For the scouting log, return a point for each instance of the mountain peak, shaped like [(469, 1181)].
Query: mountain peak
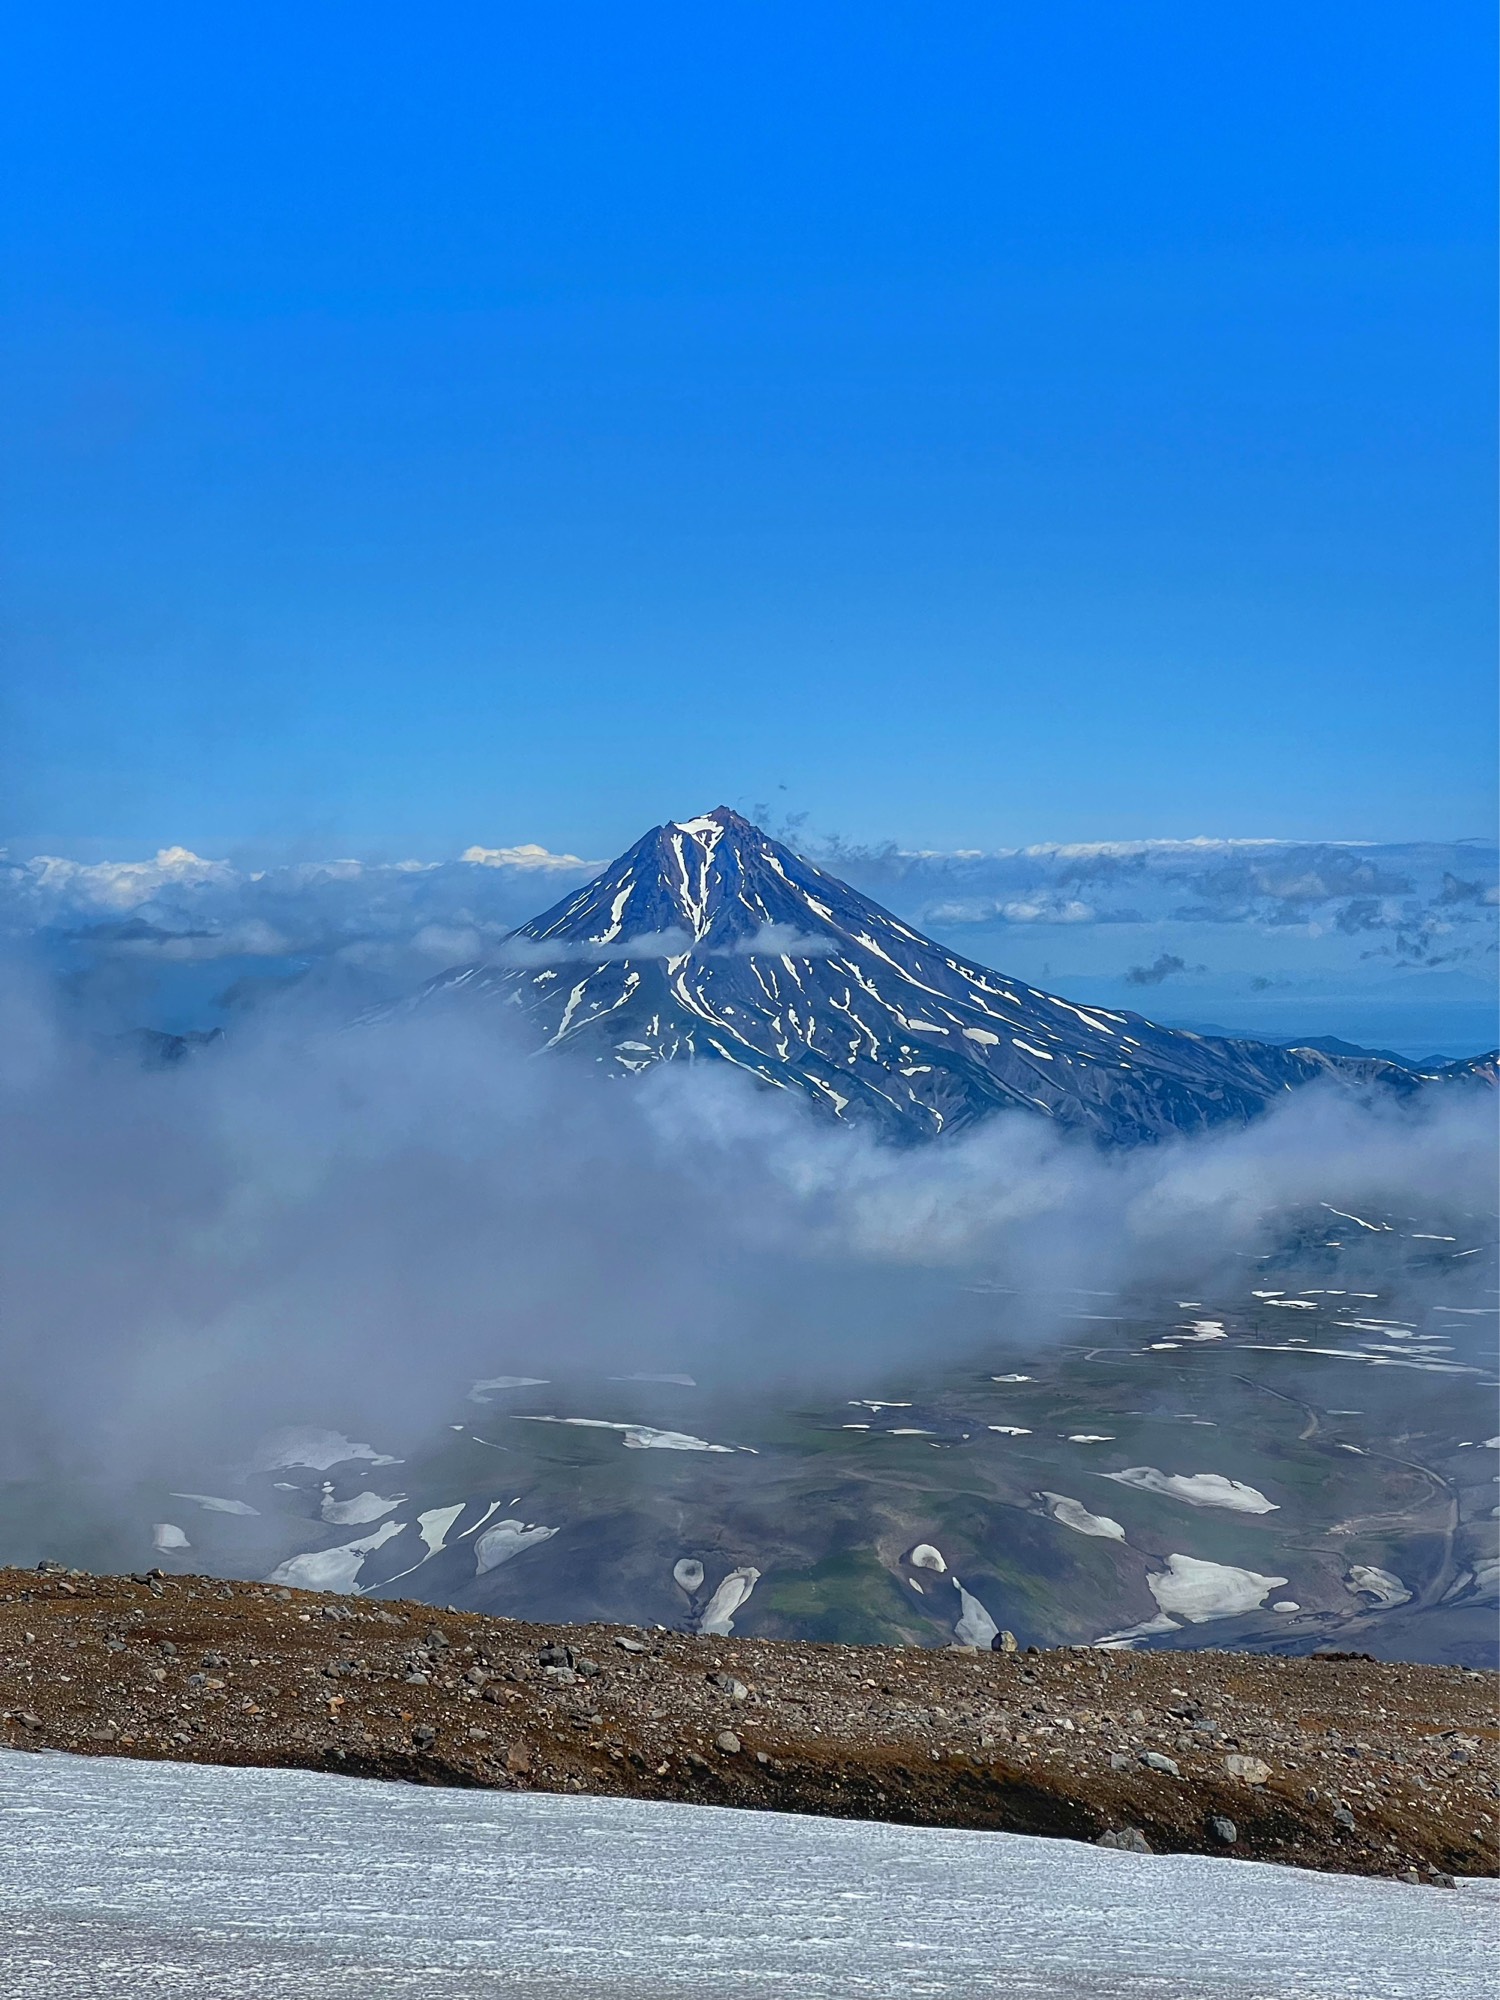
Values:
[(710, 940)]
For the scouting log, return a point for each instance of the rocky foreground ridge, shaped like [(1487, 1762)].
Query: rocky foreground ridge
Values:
[(1326, 1762)]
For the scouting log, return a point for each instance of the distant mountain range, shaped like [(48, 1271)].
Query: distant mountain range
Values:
[(709, 940)]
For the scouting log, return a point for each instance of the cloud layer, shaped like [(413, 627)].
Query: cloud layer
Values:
[(348, 1227)]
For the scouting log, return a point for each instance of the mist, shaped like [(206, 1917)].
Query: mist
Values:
[(312, 1223)]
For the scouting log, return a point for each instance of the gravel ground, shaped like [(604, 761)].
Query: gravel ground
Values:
[(1331, 1763)]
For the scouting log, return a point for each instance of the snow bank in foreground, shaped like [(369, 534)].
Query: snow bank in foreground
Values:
[(182, 1880)]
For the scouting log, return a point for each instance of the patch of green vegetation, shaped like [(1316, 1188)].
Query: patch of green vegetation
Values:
[(846, 1598)]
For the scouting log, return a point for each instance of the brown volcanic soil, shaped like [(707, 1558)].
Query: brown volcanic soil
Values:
[(1374, 1769)]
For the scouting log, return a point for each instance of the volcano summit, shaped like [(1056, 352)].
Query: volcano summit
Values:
[(710, 940)]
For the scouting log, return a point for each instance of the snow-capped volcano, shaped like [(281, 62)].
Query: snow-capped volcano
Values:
[(709, 939)]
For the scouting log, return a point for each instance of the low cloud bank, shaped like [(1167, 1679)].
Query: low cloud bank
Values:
[(351, 1225)]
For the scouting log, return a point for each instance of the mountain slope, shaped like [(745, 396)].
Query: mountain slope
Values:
[(708, 939)]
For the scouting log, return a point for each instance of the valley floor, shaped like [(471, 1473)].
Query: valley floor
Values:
[(1332, 1763)]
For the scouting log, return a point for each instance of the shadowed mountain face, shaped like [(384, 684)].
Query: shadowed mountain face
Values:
[(710, 940)]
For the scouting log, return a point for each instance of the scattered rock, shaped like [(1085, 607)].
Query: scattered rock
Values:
[(423, 1736), (555, 1656), (1343, 1818), (1223, 1830), (727, 1684), (1155, 1761), (630, 1645), (1128, 1839), (518, 1759), (1003, 1642), (1249, 1770), (728, 1742)]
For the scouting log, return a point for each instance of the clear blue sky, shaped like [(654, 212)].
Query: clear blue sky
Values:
[(991, 423)]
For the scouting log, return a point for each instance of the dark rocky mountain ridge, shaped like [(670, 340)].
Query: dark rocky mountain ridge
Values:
[(710, 940)]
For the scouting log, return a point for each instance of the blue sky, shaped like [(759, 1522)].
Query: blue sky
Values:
[(988, 424)]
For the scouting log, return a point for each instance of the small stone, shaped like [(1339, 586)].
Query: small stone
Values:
[(416, 1679), (727, 1684), (1223, 1830), (555, 1656), (1249, 1770), (1003, 1642), (423, 1736), (477, 1676), (630, 1645), (1118, 1761), (518, 1759), (1155, 1761), (1128, 1839), (1342, 1817), (587, 1669), (437, 1640), (728, 1742), (1411, 1877)]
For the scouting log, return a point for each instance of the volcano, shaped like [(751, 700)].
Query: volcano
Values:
[(710, 941)]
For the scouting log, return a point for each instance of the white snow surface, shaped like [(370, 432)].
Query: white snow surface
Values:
[(212, 1503), (1073, 1514), (481, 1390), (335, 1569), (168, 1537), (353, 1513), (1197, 1590), (638, 1437), (1383, 1585), (1198, 1489), (188, 1882), (975, 1627), (718, 1614), (306, 1444), (506, 1539)]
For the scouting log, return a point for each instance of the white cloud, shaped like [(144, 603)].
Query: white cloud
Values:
[(124, 885), (527, 855)]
